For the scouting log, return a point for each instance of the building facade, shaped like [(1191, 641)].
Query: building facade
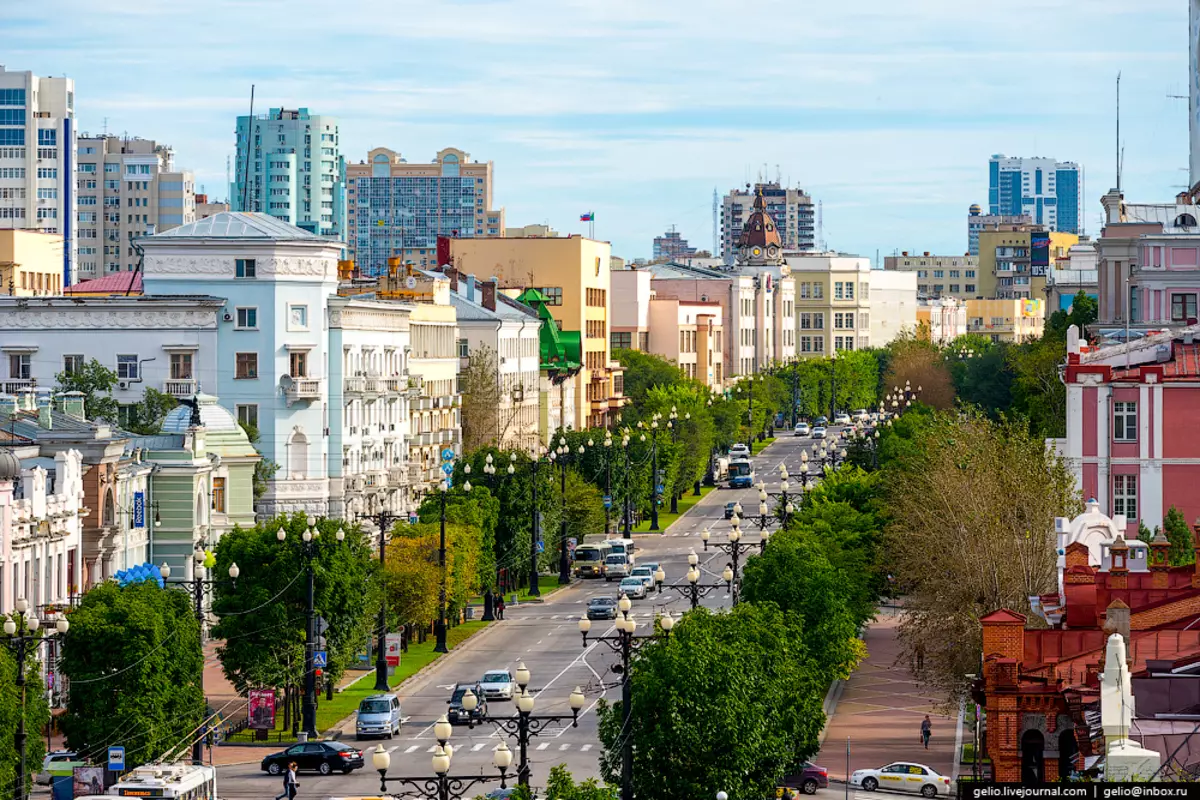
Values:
[(1014, 260), (943, 320), (1077, 275), (1007, 320), (37, 159), (978, 221), (205, 209), (955, 276), (436, 408), (892, 297), (1043, 189), (398, 209), (671, 245), (289, 165), (791, 209), (127, 189), (30, 263), (833, 303)]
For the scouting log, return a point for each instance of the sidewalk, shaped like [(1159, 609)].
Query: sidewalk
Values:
[(880, 712)]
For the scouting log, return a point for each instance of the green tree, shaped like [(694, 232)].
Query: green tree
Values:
[(584, 508), (134, 661), (562, 786), (644, 371), (481, 401), (96, 382), (1182, 550), (795, 574), (146, 417), (982, 377), (265, 468), (738, 693), (262, 618), (37, 716), (1039, 393), (1085, 310)]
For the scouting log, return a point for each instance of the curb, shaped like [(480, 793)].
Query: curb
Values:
[(830, 706)]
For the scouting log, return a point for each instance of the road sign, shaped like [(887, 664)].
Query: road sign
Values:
[(448, 468), (608, 501), (412, 518), (571, 543), (447, 454), (392, 653), (320, 659), (116, 759), (321, 625), (541, 548)]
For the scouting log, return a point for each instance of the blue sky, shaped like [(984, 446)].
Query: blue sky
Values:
[(637, 109)]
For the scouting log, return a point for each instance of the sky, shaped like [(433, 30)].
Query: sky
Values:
[(885, 112)]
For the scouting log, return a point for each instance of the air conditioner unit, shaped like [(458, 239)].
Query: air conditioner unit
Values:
[(122, 385), (228, 317)]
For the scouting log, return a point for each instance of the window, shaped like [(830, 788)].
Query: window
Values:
[(181, 366), (1125, 496), (247, 318), (621, 340), (1183, 307), (47, 137), (127, 368), (553, 295), (298, 317), (244, 268), (218, 495), (246, 366), (298, 365), (19, 367), (1125, 422), (247, 414), (463, 349), (72, 364)]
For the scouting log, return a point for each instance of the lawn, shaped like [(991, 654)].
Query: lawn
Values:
[(665, 518), (546, 585), (343, 704), (761, 445)]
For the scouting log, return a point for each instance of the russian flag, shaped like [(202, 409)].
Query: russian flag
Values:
[(588, 217)]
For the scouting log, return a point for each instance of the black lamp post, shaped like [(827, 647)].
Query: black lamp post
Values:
[(311, 542), (623, 643), (561, 455), (734, 548), (442, 786), (535, 530), (653, 468), (832, 384), (693, 590), (384, 520), (784, 509), (198, 587), (22, 635), (626, 498), (489, 469), (524, 725), (673, 426)]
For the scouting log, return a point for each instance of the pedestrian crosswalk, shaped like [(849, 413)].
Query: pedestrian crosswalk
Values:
[(476, 747)]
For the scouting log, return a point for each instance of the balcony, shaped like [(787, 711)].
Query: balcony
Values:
[(373, 386), (395, 385), (303, 390), (355, 384), (17, 385), (180, 387), (398, 476)]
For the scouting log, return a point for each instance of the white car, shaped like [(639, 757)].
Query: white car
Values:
[(801, 429), (646, 573), (739, 451), (497, 684), (633, 588), (818, 432), (902, 776), (841, 418)]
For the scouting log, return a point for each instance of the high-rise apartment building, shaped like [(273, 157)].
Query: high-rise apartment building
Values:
[(791, 209), (400, 209), (672, 245), (1046, 190), (127, 188), (37, 158), (938, 276), (978, 221), (290, 165)]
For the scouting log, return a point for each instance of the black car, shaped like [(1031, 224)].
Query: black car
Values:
[(455, 713), (729, 510), (322, 757), (602, 608)]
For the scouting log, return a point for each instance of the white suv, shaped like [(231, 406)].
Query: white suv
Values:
[(616, 566)]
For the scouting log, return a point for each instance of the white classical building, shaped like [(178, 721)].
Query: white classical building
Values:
[(41, 501)]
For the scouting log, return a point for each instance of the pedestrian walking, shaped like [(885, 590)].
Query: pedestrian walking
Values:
[(926, 731), (500, 608), (289, 784)]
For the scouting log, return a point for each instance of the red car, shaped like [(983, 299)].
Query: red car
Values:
[(808, 781)]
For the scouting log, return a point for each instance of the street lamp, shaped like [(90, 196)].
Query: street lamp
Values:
[(563, 453), (734, 548), (623, 643), (384, 520), (524, 725), (311, 543), (832, 384), (22, 632), (443, 786), (693, 590), (654, 469), (198, 587), (535, 524)]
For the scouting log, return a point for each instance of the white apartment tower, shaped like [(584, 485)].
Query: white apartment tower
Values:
[(37, 158), (127, 188)]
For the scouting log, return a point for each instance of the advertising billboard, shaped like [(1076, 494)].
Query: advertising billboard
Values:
[(88, 780), (1039, 253), (262, 709)]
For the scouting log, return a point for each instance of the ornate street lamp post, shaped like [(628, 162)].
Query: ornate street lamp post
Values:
[(22, 635), (443, 786), (693, 590)]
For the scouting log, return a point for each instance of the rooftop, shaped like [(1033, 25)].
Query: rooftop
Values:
[(116, 283), (238, 225)]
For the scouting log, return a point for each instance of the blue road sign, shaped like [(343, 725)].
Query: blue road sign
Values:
[(116, 759), (320, 659), (447, 454), (448, 468), (608, 501), (541, 546)]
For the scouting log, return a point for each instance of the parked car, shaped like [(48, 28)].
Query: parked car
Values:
[(455, 712), (646, 573), (602, 608), (323, 757), (739, 451), (498, 684), (633, 588), (801, 429), (841, 418), (820, 422), (378, 715), (808, 780), (818, 432), (902, 776), (729, 509), (58, 762), (616, 566)]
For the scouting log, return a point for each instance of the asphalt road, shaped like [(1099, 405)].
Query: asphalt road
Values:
[(545, 636)]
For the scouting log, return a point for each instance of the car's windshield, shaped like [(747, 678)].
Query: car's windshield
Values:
[(496, 677), (615, 560), (631, 582), (373, 707), (587, 553), (603, 601), (643, 570), (458, 695)]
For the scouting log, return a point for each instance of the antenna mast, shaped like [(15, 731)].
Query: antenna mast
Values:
[(1118, 132)]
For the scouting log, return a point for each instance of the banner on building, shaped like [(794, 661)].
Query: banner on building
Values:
[(139, 509), (262, 709), (1039, 253)]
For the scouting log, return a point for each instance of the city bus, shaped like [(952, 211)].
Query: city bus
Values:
[(589, 559), (741, 474), (179, 781)]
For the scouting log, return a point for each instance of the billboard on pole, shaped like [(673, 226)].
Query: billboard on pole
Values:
[(262, 709)]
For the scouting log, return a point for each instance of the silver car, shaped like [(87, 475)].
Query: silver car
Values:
[(633, 588), (497, 684)]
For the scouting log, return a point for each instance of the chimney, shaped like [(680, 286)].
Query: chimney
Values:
[(452, 274), (1076, 555), (487, 293), (470, 281), (71, 404), (1004, 634), (1117, 619), (1160, 567), (45, 418)]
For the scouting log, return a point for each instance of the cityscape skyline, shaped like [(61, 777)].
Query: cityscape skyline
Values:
[(880, 108)]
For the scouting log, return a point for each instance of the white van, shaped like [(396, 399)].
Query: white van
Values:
[(616, 565), (623, 547)]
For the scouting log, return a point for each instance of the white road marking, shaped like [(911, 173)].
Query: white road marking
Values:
[(432, 749), (393, 748), (411, 749), (475, 748), (564, 746), (543, 745), (555, 616), (585, 748)]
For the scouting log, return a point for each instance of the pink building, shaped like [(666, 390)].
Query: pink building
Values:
[(1122, 402)]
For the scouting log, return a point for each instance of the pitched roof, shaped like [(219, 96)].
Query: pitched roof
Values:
[(238, 225), (1004, 615), (116, 283)]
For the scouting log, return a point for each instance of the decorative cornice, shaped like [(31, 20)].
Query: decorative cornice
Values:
[(91, 318), (361, 319), (223, 266)]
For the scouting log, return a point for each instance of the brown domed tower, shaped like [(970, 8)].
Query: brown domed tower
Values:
[(760, 245)]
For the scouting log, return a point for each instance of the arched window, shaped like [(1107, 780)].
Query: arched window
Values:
[(1185, 221), (450, 166), (109, 515), (380, 166), (298, 455)]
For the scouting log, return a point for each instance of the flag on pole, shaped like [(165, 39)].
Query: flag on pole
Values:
[(588, 217)]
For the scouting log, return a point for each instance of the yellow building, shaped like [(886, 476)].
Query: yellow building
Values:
[(573, 272), (435, 412), (31, 263), (1007, 320), (1006, 257)]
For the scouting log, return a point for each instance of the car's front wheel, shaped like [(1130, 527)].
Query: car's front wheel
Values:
[(870, 784), (274, 769), (810, 786), (929, 790), (325, 769)]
